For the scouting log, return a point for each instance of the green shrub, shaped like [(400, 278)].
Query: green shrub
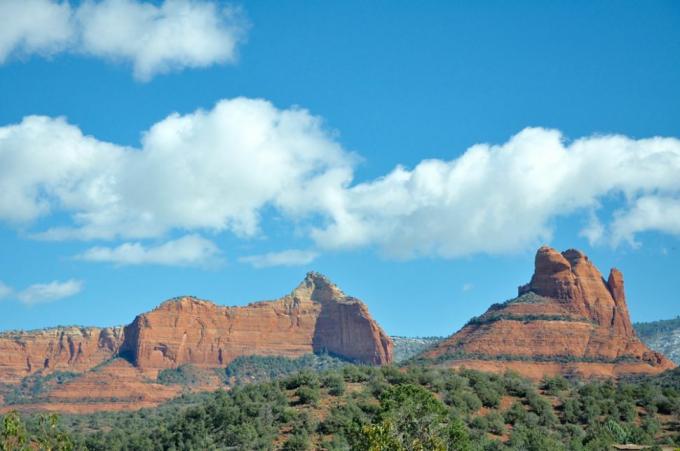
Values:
[(308, 395), (334, 383)]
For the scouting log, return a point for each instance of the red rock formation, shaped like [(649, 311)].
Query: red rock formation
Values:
[(566, 317), (316, 316), (57, 349)]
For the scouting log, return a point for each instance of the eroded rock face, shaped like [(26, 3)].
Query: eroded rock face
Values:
[(58, 349), (317, 316), (568, 317)]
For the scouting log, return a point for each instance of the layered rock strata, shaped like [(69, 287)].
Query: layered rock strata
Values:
[(316, 317), (57, 349), (567, 319)]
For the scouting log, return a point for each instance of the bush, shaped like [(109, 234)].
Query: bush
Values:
[(299, 441), (335, 384), (554, 385), (308, 395), (302, 379)]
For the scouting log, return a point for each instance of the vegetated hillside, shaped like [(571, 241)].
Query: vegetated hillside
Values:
[(662, 336), (407, 347), (386, 408)]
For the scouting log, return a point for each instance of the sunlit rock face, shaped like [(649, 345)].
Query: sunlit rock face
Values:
[(316, 317), (23, 353), (567, 319)]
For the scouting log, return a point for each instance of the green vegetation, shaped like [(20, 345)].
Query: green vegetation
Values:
[(388, 408), (407, 347), (461, 355), (188, 376), (657, 327), (32, 387), (662, 336), (255, 368), (492, 318)]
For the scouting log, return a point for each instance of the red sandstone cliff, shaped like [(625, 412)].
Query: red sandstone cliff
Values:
[(568, 318), (317, 316), (57, 349)]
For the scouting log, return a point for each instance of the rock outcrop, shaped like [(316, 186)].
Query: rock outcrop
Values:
[(316, 317), (567, 319), (57, 349)]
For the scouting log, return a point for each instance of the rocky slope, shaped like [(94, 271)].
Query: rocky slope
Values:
[(662, 336), (316, 317), (567, 319)]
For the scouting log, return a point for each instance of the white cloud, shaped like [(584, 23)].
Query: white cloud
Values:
[(467, 287), (290, 257), (5, 291), (219, 170), (190, 250), (174, 35), (648, 213), (594, 231), (504, 198), (49, 292), (212, 170), (44, 27)]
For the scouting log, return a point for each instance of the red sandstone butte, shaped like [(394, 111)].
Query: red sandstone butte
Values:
[(567, 320), (316, 317)]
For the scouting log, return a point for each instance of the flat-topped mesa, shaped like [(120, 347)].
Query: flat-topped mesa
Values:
[(23, 353), (567, 313), (316, 317)]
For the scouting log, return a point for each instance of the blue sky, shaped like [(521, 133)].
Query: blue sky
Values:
[(104, 217)]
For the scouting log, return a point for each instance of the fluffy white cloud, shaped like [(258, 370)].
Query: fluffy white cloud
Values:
[(211, 170), (174, 35), (219, 170), (290, 257), (655, 213), (502, 198), (34, 26), (190, 250), (49, 292), (5, 291)]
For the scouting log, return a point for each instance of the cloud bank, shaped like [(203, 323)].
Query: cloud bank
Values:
[(221, 170), (503, 198), (172, 36), (190, 250)]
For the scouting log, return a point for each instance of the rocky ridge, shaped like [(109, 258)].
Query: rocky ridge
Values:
[(567, 319), (23, 353), (662, 336), (316, 317)]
